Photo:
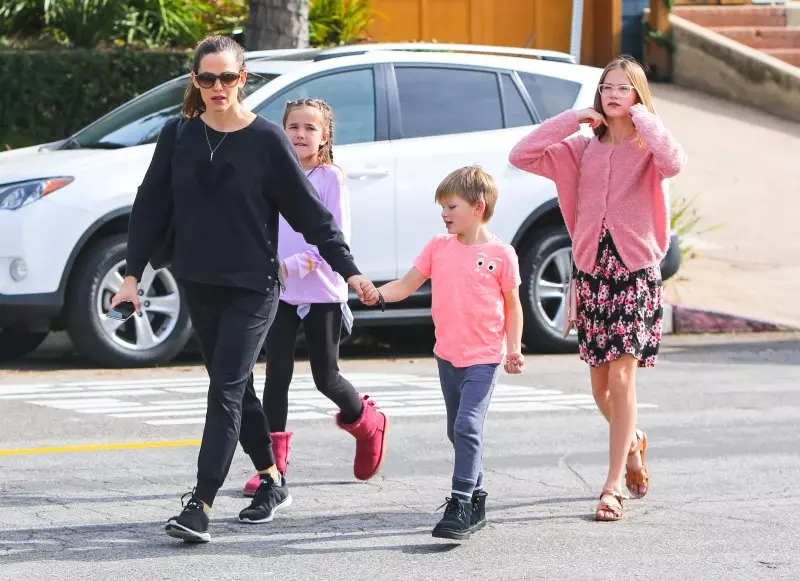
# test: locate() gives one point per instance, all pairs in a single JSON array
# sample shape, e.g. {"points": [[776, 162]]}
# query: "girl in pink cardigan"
{"points": [[611, 197]]}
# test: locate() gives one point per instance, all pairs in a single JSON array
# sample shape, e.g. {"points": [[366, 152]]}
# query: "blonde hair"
{"points": [[325, 153], [472, 185], [193, 104], [638, 80]]}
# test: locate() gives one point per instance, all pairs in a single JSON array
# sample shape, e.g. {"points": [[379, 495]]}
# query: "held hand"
{"points": [[284, 271], [372, 297], [515, 363], [363, 287], [127, 292], [592, 117]]}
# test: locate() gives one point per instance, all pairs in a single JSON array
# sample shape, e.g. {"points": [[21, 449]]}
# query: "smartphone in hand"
{"points": [[122, 312]]}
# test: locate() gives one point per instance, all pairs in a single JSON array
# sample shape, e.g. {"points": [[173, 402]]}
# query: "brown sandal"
{"points": [[616, 511], [639, 478]]}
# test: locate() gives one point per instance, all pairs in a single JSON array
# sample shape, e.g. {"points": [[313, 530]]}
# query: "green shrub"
{"points": [[337, 22], [21, 17], [50, 94], [83, 23]]}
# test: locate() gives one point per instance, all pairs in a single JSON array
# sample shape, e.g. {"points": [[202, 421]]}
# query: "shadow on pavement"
{"points": [[145, 540], [57, 353]]}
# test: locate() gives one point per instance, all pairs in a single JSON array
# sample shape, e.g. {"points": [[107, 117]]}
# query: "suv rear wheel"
{"points": [[545, 267], [157, 336]]}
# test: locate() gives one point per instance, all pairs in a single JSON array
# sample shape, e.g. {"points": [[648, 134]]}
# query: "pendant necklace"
{"points": [[211, 157]]}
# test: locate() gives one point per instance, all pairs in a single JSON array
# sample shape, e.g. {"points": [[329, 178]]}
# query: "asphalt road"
{"points": [[722, 415]]}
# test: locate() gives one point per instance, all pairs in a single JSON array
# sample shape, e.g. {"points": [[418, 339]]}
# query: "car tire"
{"points": [[16, 342], [545, 265], [156, 337]]}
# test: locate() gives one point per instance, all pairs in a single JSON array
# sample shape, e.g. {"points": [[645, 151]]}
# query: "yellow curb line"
{"points": [[99, 447]]}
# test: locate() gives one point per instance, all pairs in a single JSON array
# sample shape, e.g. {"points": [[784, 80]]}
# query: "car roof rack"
{"points": [[355, 49], [284, 54]]}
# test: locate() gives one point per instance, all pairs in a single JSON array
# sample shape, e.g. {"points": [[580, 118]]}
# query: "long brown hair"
{"points": [[325, 153], [637, 78], [193, 104]]}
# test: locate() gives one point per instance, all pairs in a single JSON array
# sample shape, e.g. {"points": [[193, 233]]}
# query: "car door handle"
{"points": [[366, 173]]}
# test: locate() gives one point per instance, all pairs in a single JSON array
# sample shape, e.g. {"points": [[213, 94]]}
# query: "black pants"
{"points": [[231, 325], [322, 326]]}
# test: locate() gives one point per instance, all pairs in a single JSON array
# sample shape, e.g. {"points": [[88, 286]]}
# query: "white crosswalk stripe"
{"points": [[153, 401]]}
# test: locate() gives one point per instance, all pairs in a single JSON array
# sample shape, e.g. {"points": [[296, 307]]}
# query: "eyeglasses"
{"points": [[208, 80], [607, 90]]}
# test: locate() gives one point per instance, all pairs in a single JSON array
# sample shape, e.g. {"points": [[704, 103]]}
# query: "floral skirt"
{"points": [[619, 311]]}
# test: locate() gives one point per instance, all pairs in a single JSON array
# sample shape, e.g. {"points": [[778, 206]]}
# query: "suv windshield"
{"points": [[140, 120]]}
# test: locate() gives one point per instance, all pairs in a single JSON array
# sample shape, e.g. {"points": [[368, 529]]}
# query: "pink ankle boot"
{"points": [[370, 433], [280, 448]]}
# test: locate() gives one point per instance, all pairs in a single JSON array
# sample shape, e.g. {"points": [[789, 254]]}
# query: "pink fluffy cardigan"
{"points": [[596, 182]]}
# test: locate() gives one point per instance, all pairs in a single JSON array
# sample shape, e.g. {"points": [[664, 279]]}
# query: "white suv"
{"points": [[406, 115]]}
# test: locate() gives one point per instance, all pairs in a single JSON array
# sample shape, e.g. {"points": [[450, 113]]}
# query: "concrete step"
{"points": [[762, 37], [789, 55], [719, 16]]}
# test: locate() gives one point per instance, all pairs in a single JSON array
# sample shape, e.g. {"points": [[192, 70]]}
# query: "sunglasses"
{"points": [[208, 80]]}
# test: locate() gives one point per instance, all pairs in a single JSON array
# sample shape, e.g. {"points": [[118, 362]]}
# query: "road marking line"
{"points": [[154, 401], [85, 394], [98, 447], [164, 414], [195, 407]]}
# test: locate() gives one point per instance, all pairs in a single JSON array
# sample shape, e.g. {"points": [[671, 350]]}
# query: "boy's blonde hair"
{"points": [[472, 185]]}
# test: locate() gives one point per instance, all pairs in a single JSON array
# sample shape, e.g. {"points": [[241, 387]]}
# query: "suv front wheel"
{"points": [[545, 267], [157, 336]]}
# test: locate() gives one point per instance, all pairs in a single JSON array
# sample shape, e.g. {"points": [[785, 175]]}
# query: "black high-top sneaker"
{"points": [[478, 519], [191, 525], [455, 523], [269, 497]]}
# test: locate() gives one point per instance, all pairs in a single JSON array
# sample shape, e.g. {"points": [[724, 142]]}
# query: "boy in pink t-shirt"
{"points": [[478, 319]]}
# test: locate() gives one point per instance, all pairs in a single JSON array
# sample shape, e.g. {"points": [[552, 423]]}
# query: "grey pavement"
{"points": [[722, 414], [744, 174]]}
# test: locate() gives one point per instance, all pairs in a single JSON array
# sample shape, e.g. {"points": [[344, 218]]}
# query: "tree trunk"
{"points": [[277, 24]]}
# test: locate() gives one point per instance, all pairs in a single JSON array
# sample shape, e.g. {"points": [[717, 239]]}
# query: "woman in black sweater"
{"points": [[222, 175]]}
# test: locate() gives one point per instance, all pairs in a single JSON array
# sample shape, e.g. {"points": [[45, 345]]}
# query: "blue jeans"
{"points": [[467, 392]]}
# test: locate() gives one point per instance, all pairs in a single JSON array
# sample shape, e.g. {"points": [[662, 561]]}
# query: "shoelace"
{"points": [[453, 505], [193, 503]]}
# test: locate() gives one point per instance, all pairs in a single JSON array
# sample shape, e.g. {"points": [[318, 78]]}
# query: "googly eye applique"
{"points": [[492, 266], [481, 261]]}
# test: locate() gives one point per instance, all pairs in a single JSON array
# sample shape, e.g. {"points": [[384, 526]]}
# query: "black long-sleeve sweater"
{"points": [[225, 211]]}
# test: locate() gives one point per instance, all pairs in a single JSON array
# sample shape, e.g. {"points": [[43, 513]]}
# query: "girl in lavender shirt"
{"points": [[316, 298], [611, 197]]}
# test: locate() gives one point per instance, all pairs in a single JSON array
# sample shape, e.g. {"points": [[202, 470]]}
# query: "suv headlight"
{"points": [[14, 196]]}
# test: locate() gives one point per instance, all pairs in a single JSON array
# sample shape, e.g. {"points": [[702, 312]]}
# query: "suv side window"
{"points": [[351, 95], [517, 114], [444, 101], [550, 95]]}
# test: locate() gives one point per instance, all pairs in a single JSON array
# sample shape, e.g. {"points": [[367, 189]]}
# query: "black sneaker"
{"points": [[455, 523], [269, 497], [478, 518], [191, 525]]}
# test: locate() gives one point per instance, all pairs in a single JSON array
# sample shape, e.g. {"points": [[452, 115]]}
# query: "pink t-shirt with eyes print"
{"points": [[468, 307]]}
